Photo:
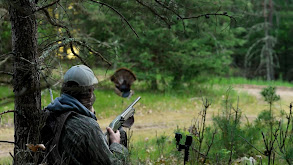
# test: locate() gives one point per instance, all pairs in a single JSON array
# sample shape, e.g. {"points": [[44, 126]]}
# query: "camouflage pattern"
{"points": [[83, 142], [73, 136]]}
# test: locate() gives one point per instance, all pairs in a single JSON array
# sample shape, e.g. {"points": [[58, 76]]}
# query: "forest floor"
{"points": [[148, 124]]}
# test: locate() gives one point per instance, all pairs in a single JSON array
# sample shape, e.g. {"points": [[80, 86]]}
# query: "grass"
{"points": [[6, 160], [241, 81], [147, 150], [6, 104], [108, 103]]}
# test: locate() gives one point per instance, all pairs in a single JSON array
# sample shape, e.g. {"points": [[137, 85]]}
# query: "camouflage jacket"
{"points": [[80, 139], [83, 142]]}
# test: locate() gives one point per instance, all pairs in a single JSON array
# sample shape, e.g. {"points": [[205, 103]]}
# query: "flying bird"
{"points": [[123, 79]]}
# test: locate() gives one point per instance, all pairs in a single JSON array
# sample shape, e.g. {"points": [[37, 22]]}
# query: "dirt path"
{"points": [[6, 134], [148, 124], [284, 92]]}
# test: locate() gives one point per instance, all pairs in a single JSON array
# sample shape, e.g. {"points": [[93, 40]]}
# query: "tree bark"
{"points": [[268, 17], [26, 79]]}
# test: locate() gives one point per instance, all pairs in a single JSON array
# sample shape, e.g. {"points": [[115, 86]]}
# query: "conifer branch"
{"points": [[117, 12], [46, 6], [67, 31], [67, 41], [155, 13]]}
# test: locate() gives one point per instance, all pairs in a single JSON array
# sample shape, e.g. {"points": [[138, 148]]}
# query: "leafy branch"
{"points": [[52, 22]]}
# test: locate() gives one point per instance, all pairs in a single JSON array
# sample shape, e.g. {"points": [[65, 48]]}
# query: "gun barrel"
{"points": [[130, 107]]}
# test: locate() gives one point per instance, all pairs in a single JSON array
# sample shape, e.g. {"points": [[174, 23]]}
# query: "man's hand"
{"points": [[113, 137]]}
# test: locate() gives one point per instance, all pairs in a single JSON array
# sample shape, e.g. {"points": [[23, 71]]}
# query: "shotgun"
{"points": [[125, 119]]}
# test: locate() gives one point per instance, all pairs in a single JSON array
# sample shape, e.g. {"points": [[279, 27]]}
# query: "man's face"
{"points": [[89, 100]]}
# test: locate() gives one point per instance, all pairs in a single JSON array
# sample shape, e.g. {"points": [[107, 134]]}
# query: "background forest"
{"points": [[186, 54], [254, 44]]}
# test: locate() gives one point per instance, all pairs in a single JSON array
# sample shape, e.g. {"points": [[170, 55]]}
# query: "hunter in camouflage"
{"points": [[71, 133]]}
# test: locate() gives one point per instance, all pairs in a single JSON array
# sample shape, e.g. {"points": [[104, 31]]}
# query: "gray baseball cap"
{"points": [[82, 75]]}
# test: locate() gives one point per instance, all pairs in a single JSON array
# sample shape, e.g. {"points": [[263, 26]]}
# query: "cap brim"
{"points": [[95, 81]]}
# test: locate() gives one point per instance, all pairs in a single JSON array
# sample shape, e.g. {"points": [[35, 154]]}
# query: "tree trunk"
{"points": [[268, 16], [26, 79]]}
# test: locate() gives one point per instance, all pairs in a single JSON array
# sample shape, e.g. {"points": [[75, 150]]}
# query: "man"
{"points": [[78, 139]]}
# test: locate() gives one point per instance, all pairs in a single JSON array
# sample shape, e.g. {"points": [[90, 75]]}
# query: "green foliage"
{"points": [[264, 119], [231, 132], [177, 54], [160, 55], [284, 48], [285, 139], [5, 36], [267, 39], [161, 142], [288, 155], [270, 95], [177, 57]]}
